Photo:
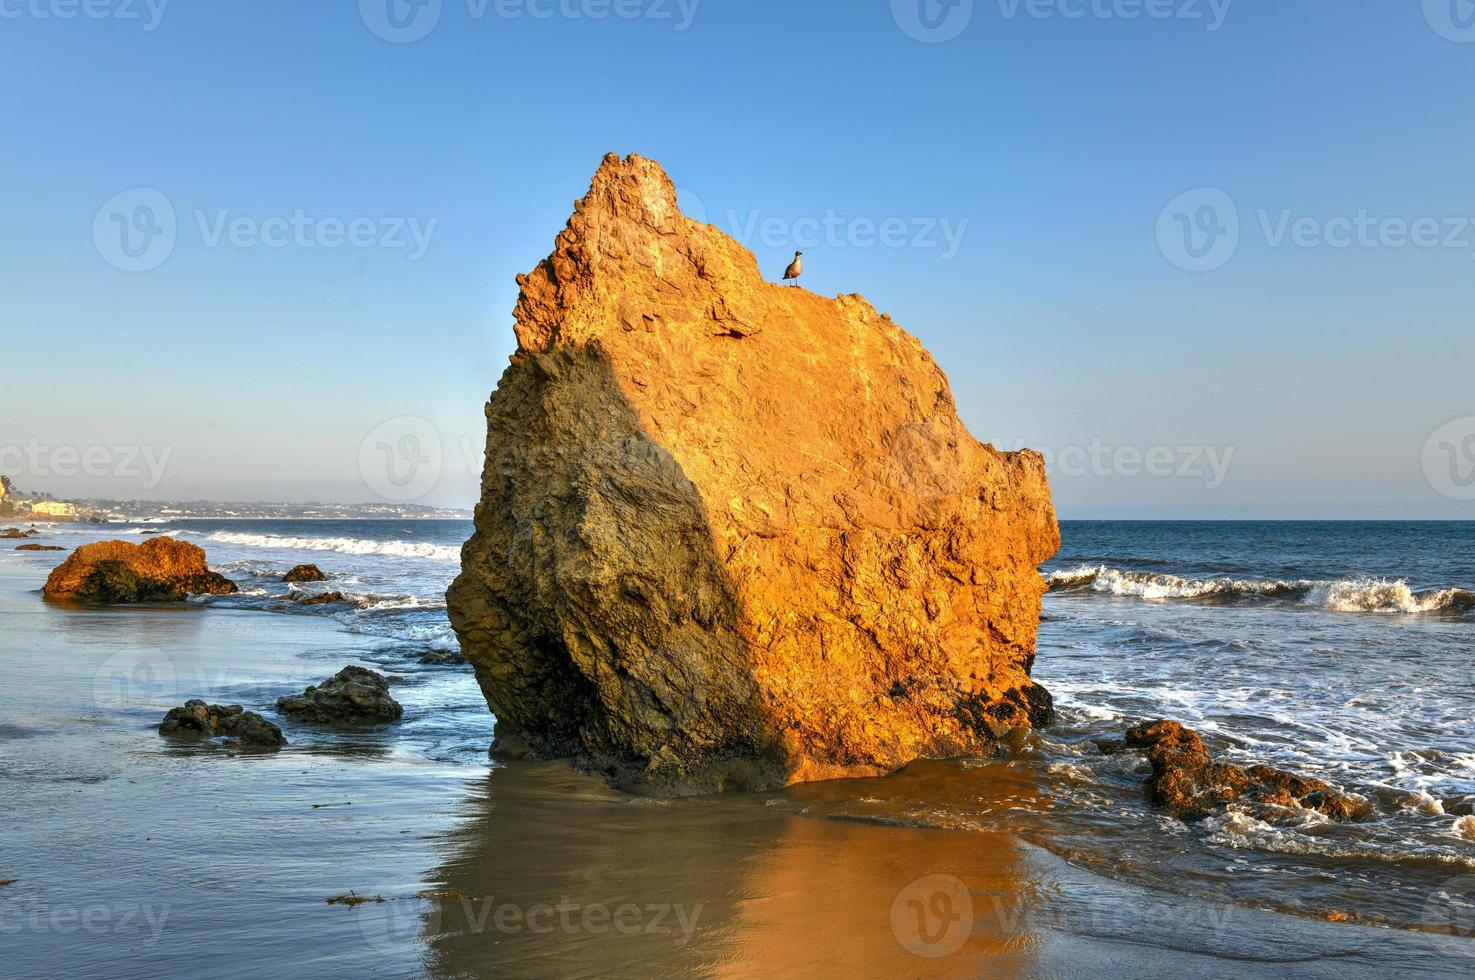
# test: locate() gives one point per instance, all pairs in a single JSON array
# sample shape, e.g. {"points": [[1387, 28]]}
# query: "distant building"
{"points": [[56, 509]]}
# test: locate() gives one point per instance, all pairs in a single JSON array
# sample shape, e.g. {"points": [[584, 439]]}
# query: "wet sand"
{"points": [[132, 857], [745, 886]]}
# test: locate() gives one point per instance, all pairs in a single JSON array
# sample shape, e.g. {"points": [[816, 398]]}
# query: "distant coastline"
{"points": [[16, 505]]}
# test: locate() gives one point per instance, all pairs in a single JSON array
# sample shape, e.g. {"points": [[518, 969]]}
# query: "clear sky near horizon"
{"points": [[1289, 339]]}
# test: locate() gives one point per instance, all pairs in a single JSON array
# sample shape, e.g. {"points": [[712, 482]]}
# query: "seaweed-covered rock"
{"points": [[1191, 785], [441, 658], [354, 695], [321, 599], [196, 719], [305, 573], [159, 570]]}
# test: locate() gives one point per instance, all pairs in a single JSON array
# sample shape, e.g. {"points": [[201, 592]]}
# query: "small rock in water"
{"points": [[15, 532], [196, 719], [1191, 785], [355, 695], [1460, 806], [39, 547], [305, 573], [322, 599], [441, 657]]}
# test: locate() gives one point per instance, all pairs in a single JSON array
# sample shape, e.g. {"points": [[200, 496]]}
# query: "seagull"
{"points": [[795, 269]]}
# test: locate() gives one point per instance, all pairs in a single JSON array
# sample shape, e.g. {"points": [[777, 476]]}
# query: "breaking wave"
{"points": [[346, 546], [1346, 595]]}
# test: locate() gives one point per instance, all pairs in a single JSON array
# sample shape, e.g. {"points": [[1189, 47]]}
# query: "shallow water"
{"points": [[131, 856]]}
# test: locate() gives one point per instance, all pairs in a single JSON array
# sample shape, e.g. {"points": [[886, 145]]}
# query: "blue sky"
{"points": [[1024, 166]]}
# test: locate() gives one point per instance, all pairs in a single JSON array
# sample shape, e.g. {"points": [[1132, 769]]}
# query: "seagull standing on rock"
{"points": [[795, 269]]}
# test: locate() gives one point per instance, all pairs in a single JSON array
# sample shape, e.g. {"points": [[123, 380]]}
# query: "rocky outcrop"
{"points": [[321, 599], [159, 570], [354, 695], [441, 658], [733, 534], [15, 533], [196, 719], [305, 573], [39, 547], [1188, 783]]}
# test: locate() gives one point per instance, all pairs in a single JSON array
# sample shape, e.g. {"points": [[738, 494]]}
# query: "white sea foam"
{"points": [[346, 546], [1155, 585], [1381, 595], [1345, 595]]}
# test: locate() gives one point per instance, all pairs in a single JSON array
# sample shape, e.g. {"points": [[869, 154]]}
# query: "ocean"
{"points": [[1339, 650]]}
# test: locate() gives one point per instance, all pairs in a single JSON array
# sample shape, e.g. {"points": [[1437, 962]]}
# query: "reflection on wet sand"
{"points": [[553, 874], [561, 876]]}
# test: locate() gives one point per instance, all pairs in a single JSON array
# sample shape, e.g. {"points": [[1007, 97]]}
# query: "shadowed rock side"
{"points": [[734, 535]]}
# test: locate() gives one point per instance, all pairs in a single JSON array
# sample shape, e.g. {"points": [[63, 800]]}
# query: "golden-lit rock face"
{"points": [[733, 534]]}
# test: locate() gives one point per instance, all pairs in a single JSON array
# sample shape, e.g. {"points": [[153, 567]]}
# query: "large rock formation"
{"points": [[733, 534], [159, 570]]}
